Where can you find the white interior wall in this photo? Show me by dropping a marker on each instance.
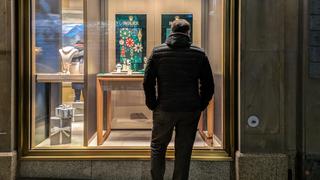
(153, 9)
(215, 52)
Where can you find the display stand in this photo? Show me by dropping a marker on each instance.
(207, 134)
(107, 80)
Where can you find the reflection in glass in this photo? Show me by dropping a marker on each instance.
(58, 73)
(87, 75)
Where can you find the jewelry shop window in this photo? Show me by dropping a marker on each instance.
(87, 66)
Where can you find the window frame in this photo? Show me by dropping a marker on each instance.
(24, 92)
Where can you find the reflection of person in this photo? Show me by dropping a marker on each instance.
(185, 86)
(47, 28)
(74, 54)
(78, 87)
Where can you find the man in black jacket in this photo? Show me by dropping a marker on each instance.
(182, 74)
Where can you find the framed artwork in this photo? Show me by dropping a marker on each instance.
(166, 21)
(131, 40)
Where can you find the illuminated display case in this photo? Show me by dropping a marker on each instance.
(87, 67)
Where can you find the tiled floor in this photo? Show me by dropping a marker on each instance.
(134, 138)
(119, 138)
(121, 118)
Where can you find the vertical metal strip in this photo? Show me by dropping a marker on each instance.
(85, 124)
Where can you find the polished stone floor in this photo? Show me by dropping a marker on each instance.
(120, 138)
(127, 138)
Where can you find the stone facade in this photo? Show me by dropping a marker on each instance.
(118, 170)
(8, 164)
(261, 166)
(7, 104)
(274, 84)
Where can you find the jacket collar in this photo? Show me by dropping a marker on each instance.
(178, 40)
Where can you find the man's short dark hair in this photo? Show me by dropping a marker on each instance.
(180, 25)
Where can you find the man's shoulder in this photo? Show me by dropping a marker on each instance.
(165, 47)
(197, 49)
(161, 47)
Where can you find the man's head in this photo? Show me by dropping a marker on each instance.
(181, 26)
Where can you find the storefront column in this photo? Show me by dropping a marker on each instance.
(261, 166)
(7, 92)
(267, 89)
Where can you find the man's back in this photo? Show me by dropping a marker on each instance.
(178, 66)
(178, 69)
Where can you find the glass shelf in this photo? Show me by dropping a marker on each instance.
(59, 77)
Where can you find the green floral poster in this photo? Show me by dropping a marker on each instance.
(166, 21)
(131, 40)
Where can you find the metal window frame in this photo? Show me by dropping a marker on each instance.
(24, 101)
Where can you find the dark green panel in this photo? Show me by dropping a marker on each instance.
(312, 127)
(314, 38)
(166, 21)
(131, 46)
(42, 115)
(314, 6)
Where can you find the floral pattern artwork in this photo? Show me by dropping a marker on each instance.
(125, 33)
(121, 42)
(138, 48)
(131, 40)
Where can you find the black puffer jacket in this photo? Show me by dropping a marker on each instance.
(182, 74)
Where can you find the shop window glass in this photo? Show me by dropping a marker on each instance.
(88, 63)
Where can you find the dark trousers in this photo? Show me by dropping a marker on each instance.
(185, 124)
(77, 87)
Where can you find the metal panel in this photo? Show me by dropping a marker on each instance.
(93, 62)
(314, 38)
(312, 126)
(315, 22)
(314, 54)
(310, 69)
(314, 70)
(314, 7)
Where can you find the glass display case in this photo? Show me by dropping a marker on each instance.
(58, 73)
(88, 61)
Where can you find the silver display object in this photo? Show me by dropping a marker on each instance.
(118, 68)
(75, 68)
(81, 69)
(65, 111)
(60, 131)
